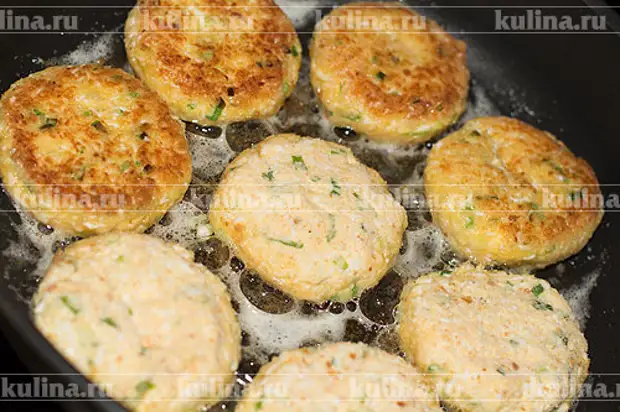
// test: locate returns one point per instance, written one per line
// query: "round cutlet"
(88, 149)
(505, 192)
(339, 377)
(493, 341)
(308, 217)
(139, 317)
(215, 61)
(388, 72)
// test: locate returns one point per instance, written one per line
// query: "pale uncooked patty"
(505, 192)
(89, 149)
(492, 341)
(308, 217)
(240, 63)
(136, 313)
(337, 378)
(403, 80)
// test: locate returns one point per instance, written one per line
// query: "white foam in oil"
(578, 297)
(95, 51)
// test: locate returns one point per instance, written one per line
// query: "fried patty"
(308, 217)
(215, 61)
(386, 71)
(492, 341)
(338, 377)
(505, 192)
(139, 315)
(89, 149)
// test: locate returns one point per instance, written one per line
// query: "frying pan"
(566, 83)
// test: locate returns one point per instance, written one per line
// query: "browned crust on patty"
(411, 76)
(527, 192)
(92, 131)
(251, 68)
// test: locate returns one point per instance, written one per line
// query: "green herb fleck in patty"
(110, 322)
(298, 162)
(291, 243)
(217, 112)
(335, 188)
(143, 387)
(67, 302)
(538, 290)
(49, 123)
(268, 175)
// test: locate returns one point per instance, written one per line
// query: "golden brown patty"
(89, 149)
(215, 61)
(505, 192)
(388, 72)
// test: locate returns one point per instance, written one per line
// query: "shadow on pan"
(566, 83)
